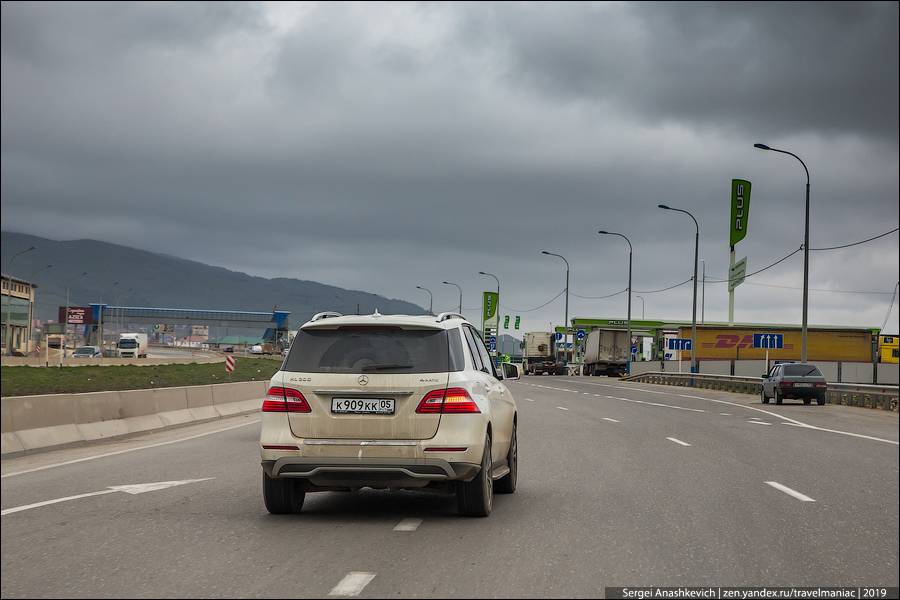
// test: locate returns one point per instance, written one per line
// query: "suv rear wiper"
(385, 366)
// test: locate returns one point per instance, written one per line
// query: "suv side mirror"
(510, 370)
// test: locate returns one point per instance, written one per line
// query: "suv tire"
(778, 397)
(283, 496)
(762, 395)
(820, 400)
(507, 483)
(475, 498)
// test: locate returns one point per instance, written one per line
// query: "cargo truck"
(606, 352)
(132, 345)
(539, 354)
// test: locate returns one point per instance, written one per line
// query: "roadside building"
(17, 306)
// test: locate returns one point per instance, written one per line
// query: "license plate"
(363, 406)
(802, 385)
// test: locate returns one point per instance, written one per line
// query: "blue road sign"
(768, 340)
(634, 349)
(580, 335)
(558, 336)
(679, 344)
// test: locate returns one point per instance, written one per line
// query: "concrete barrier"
(33, 424)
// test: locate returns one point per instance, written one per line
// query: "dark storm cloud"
(773, 67)
(385, 146)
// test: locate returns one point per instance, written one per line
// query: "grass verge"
(30, 381)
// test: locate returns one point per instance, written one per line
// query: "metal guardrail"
(885, 397)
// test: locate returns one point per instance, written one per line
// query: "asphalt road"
(620, 485)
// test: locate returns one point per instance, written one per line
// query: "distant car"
(389, 402)
(88, 352)
(228, 349)
(794, 380)
(284, 352)
(256, 349)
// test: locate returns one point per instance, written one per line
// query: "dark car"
(794, 380)
(228, 349)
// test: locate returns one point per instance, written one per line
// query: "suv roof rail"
(328, 314)
(449, 315)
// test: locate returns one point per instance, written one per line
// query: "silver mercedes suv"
(389, 402)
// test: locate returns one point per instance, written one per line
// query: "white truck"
(132, 345)
(539, 354)
(606, 352)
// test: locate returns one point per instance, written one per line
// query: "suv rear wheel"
(283, 496)
(777, 395)
(762, 396)
(475, 498)
(507, 483)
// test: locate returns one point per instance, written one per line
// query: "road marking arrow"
(139, 488)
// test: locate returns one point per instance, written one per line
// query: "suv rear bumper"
(369, 472)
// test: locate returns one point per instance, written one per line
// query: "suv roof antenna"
(449, 315)
(325, 315)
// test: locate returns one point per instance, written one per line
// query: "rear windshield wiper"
(385, 366)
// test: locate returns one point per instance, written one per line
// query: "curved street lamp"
(630, 252)
(803, 327)
(566, 324)
(696, 260)
(642, 305)
(66, 336)
(460, 294)
(8, 340)
(431, 304)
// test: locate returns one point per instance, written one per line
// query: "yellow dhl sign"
(822, 344)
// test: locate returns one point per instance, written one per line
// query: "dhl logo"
(726, 341)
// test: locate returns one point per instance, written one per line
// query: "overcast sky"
(380, 147)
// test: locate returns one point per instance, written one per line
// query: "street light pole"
(460, 294)
(696, 260)
(66, 336)
(118, 317)
(496, 351)
(9, 284)
(431, 304)
(703, 295)
(630, 252)
(566, 324)
(642, 306)
(31, 306)
(803, 327)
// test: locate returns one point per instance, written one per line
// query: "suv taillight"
(449, 401)
(280, 399)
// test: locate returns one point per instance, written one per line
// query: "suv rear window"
(375, 350)
(802, 371)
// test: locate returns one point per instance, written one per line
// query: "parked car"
(88, 352)
(794, 380)
(399, 402)
(228, 349)
(256, 349)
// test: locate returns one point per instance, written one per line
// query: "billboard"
(78, 315)
(740, 210)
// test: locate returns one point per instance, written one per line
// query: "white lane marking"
(789, 491)
(677, 441)
(408, 525)
(759, 422)
(656, 404)
(561, 408)
(725, 414)
(78, 460)
(139, 488)
(352, 584)
(611, 420)
(529, 399)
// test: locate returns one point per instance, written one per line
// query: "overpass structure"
(276, 323)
